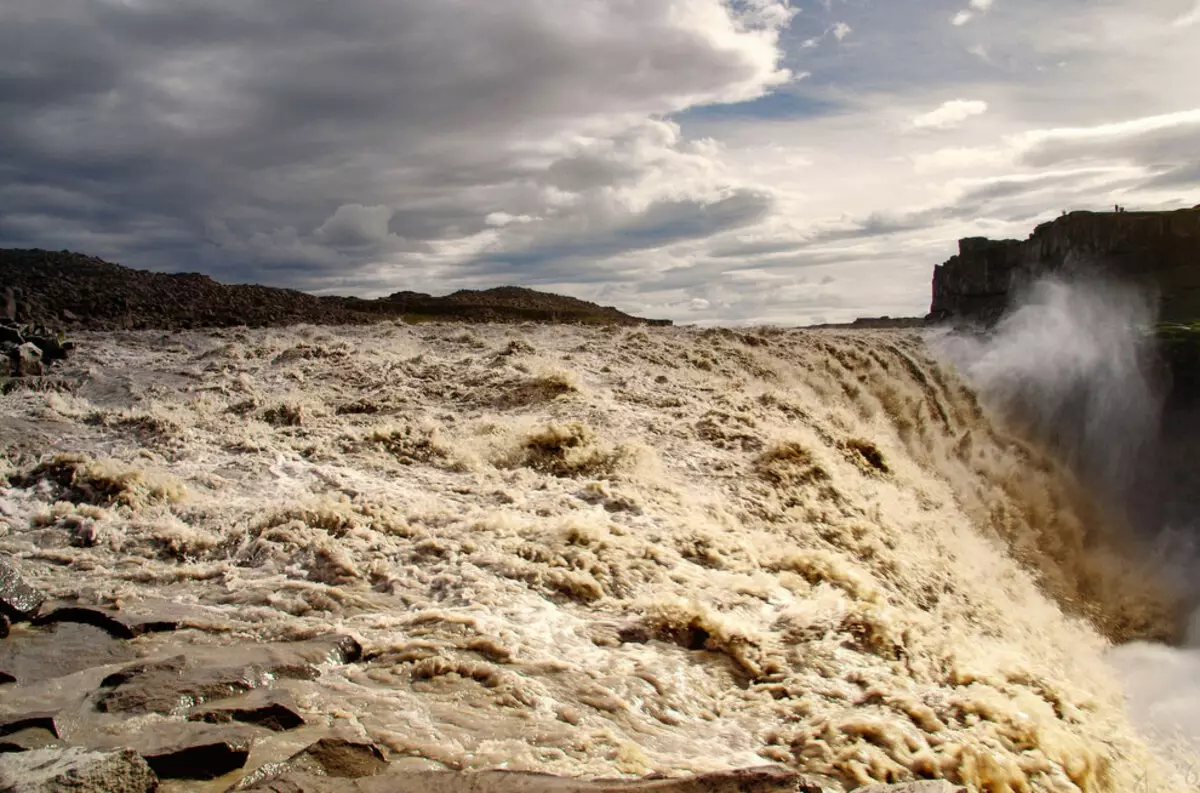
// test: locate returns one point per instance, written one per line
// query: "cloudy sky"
(702, 160)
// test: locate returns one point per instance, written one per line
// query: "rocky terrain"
(1160, 250)
(74, 291)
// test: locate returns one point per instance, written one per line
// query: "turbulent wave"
(605, 550)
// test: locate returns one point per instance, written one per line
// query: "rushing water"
(608, 550)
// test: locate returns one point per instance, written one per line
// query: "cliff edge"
(1159, 249)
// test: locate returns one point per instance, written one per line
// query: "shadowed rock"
(118, 624)
(189, 752)
(28, 740)
(18, 600)
(77, 770)
(338, 757)
(329, 757)
(25, 721)
(769, 779)
(273, 710)
(31, 655)
(165, 685)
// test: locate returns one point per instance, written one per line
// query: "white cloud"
(407, 145)
(1188, 19)
(352, 225)
(967, 14)
(949, 114)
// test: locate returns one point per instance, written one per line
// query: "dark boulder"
(118, 624)
(189, 752)
(274, 710)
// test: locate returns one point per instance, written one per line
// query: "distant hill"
(68, 289)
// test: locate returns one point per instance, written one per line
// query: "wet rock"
(273, 710)
(329, 757)
(118, 624)
(923, 786)
(749, 780)
(207, 673)
(27, 361)
(339, 757)
(18, 600)
(31, 655)
(28, 731)
(75, 769)
(30, 721)
(28, 740)
(190, 752)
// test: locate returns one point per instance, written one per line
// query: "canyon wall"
(1160, 249)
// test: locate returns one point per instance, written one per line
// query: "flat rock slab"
(168, 685)
(28, 739)
(152, 615)
(336, 758)
(18, 600)
(767, 779)
(30, 655)
(185, 751)
(272, 709)
(77, 770)
(16, 722)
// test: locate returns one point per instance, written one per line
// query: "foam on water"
(604, 550)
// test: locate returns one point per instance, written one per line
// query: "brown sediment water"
(601, 551)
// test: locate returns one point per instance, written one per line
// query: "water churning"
(616, 551)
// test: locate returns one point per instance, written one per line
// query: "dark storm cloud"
(261, 132)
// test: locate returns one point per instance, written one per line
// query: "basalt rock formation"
(1158, 249)
(71, 290)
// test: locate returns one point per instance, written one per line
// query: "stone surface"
(18, 600)
(164, 685)
(27, 361)
(274, 710)
(118, 624)
(34, 654)
(1161, 249)
(186, 751)
(28, 740)
(768, 779)
(47, 721)
(57, 770)
(338, 757)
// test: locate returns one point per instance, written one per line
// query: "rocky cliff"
(1160, 249)
(65, 289)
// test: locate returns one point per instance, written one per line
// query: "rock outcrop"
(1159, 249)
(74, 291)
